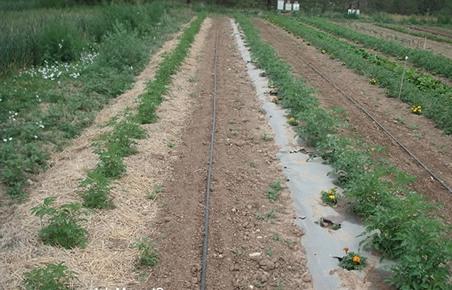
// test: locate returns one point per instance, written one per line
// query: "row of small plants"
(403, 29)
(63, 224)
(420, 89)
(421, 58)
(42, 108)
(395, 217)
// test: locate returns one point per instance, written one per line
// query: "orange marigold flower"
(356, 260)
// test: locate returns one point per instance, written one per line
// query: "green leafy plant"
(96, 189)
(330, 197)
(274, 191)
(148, 256)
(63, 227)
(353, 261)
(49, 277)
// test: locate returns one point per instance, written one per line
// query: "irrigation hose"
(205, 246)
(386, 131)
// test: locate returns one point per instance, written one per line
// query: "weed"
(171, 145)
(269, 252)
(63, 228)
(267, 137)
(266, 216)
(155, 192)
(274, 191)
(50, 277)
(148, 256)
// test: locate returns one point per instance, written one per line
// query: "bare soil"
(407, 40)
(246, 249)
(417, 133)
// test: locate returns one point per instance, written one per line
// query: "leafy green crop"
(63, 226)
(50, 277)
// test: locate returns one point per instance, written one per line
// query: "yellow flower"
(331, 196)
(356, 260)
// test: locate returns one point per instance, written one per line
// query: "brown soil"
(435, 30)
(244, 250)
(108, 259)
(407, 40)
(417, 133)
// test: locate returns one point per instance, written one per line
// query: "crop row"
(421, 58)
(421, 89)
(63, 226)
(403, 29)
(395, 218)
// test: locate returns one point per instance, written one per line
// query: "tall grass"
(400, 222)
(31, 37)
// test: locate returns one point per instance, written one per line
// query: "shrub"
(63, 228)
(50, 277)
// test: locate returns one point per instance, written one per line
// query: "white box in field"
(280, 5)
(296, 6)
(288, 6)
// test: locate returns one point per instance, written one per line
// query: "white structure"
(288, 6)
(296, 6)
(353, 11)
(280, 5)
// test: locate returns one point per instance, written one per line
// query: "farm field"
(199, 147)
(405, 39)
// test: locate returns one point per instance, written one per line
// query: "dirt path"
(252, 242)
(407, 40)
(416, 132)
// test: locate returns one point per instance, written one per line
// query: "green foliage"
(148, 256)
(373, 187)
(43, 107)
(329, 197)
(63, 225)
(421, 89)
(120, 142)
(171, 63)
(274, 191)
(96, 190)
(50, 277)
(422, 58)
(353, 261)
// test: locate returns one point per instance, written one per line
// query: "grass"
(372, 185)
(420, 89)
(43, 107)
(63, 227)
(421, 58)
(49, 277)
